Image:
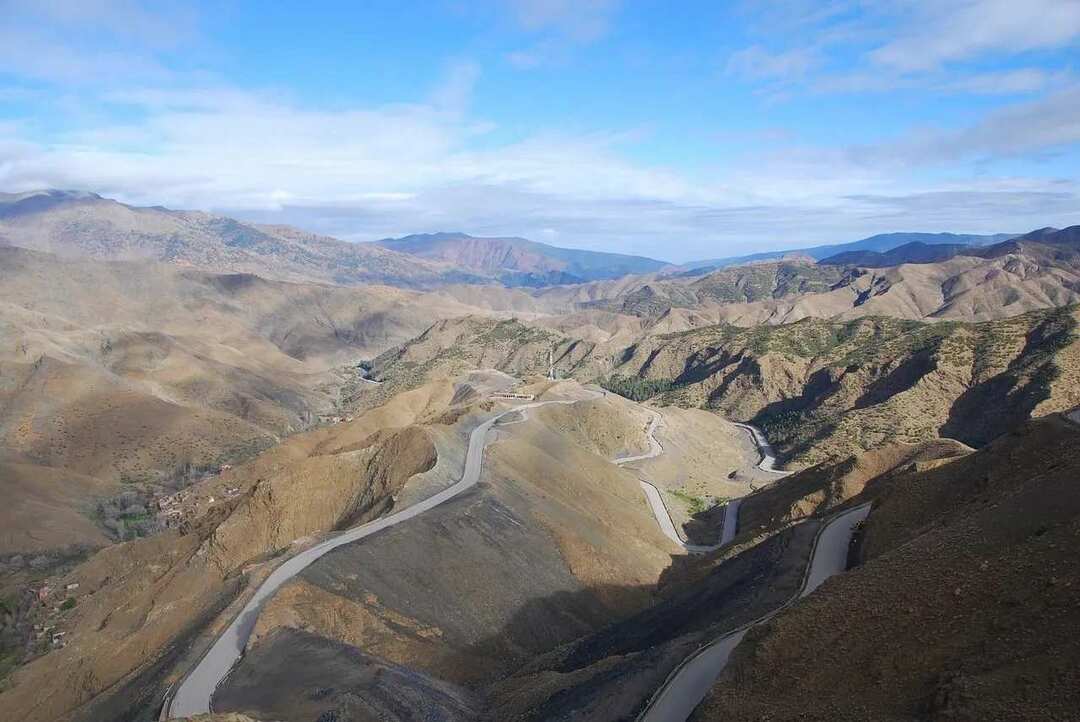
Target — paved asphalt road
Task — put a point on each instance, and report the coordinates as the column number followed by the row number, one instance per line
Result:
column 193, row 695
column 731, row 509
column 656, row 500
column 768, row 456
column 690, row 682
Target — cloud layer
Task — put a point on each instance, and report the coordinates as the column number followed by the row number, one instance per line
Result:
column 162, row 134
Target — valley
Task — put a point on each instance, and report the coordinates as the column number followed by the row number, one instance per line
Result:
column 540, row 361
column 279, row 498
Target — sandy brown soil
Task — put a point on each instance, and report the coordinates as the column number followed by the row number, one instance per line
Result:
column 707, row 460
column 47, row 508
column 141, row 605
column 555, row 543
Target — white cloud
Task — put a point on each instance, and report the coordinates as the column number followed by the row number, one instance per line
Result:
column 943, row 31
column 849, row 46
column 561, row 26
column 756, row 62
column 1046, row 124
column 454, row 93
column 102, row 42
column 366, row 173
column 578, row 20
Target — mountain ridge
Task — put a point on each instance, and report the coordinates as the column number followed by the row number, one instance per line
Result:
column 519, row 261
column 880, row 243
column 83, row 224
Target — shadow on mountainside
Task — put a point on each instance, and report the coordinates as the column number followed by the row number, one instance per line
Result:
column 705, row 527
column 964, row 606
column 611, row 673
column 1000, row 403
column 606, row 674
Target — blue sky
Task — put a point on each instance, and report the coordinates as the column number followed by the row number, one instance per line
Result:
column 677, row 130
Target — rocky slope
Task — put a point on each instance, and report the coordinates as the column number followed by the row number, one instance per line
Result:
column 139, row 372
column 611, row 673
column 556, row 541
column 977, row 560
column 540, row 590
column 142, row 607
column 823, row 390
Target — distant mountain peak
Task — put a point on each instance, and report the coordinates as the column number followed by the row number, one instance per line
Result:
column 83, row 224
column 519, row 261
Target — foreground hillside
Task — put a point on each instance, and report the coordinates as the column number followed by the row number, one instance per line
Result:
column 963, row 606
column 138, row 608
column 554, row 538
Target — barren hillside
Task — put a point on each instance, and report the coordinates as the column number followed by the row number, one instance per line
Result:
column 139, row 607
column 963, row 606
column 821, row 389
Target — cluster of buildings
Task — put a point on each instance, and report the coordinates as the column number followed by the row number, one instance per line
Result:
column 510, row 395
column 334, row 419
column 172, row 509
column 48, row 631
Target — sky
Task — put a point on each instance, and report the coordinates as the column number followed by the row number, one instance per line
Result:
column 675, row 130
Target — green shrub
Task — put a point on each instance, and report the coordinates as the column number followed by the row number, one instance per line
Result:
column 634, row 388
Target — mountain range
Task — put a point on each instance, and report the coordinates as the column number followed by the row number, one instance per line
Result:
column 878, row 243
column 78, row 223
column 200, row 417
column 521, row 262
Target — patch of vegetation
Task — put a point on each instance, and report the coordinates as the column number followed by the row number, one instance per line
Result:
column 512, row 330
column 8, row 662
column 44, row 563
column 127, row 515
column 695, row 504
column 635, row 388
column 67, row 604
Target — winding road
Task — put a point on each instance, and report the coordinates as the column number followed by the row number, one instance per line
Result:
column 683, row 690
column 688, row 684
column 656, row 500
column 731, row 509
column 768, row 456
column 193, row 695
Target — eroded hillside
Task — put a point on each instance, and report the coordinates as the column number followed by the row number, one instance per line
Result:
column 821, row 389
column 138, row 609
column 963, row 606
